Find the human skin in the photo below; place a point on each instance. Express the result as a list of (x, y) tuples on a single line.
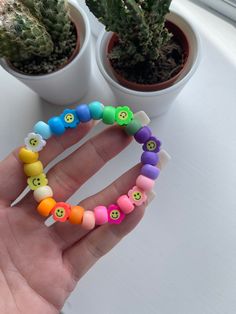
[(40, 266)]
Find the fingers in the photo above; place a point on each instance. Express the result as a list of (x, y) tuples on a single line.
[(13, 179), (72, 172), (85, 253), (70, 234)]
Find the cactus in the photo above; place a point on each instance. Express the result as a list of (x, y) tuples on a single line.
[(140, 26), (35, 33)]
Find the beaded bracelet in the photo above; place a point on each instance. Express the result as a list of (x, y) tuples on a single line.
[(134, 125)]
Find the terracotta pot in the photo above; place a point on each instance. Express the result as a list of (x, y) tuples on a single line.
[(70, 83), (179, 37)]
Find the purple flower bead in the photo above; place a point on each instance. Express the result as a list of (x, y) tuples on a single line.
[(149, 158), (143, 135), (152, 145), (150, 171)]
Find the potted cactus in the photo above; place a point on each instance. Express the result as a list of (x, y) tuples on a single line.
[(46, 45), (147, 53)]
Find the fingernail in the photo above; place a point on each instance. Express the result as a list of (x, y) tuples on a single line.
[(150, 196), (142, 117), (164, 159), (49, 221)]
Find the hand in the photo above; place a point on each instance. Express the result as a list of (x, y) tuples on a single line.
[(40, 266)]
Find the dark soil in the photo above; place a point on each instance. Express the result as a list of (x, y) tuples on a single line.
[(170, 62), (46, 65)]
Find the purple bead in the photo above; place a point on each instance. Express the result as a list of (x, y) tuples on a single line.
[(149, 158), (150, 171), (143, 135), (152, 145)]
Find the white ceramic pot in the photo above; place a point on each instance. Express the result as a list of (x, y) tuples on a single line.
[(157, 102), (69, 84)]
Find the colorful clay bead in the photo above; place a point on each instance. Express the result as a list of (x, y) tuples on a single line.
[(143, 135), (45, 206), (109, 114), (88, 221), (137, 196), (33, 169), (133, 127), (76, 215), (115, 215), (96, 110), (83, 113), (101, 216), (27, 156), (61, 212), (37, 181), (123, 115), (152, 145), (56, 125), (144, 183), (125, 204), (150, 158), (150, 171), (42, 193), (43, 129), (34, 142), (69, 118)]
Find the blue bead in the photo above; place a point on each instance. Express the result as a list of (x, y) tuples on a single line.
[(69, 118), (56, 125), (83, 113), (43, 129), (96, 110)]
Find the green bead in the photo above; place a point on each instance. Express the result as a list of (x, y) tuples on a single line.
[(124, 115), (133, 127), (109, 114)]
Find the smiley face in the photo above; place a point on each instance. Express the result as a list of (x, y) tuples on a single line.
[(37, 181), (69, 118), (137, 196), (34, 142), (152, 145), (61, 212), (115, 214), (123, 115)]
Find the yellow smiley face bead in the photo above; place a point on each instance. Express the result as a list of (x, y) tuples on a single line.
[(36, 182), (27, 156)]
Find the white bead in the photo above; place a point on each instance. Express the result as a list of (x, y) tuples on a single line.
[(164, 159), (42, 193), (142, 117)]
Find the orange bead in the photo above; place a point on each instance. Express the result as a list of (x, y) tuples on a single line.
[(44, 208), (76, 215)]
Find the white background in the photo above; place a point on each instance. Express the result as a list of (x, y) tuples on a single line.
[(182, 257)]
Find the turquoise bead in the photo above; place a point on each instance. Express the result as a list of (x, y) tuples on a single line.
[(96, 110), (56, 125), (43, 129)]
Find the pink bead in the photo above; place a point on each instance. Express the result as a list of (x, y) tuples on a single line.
[(145, 183), (137, 196), (88, 221), (101, 215), (125, 204)]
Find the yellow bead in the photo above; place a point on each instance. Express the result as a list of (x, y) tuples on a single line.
[(27, 156), (33, 169)]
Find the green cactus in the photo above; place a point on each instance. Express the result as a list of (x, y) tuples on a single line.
[(36, 33), (139, 24)]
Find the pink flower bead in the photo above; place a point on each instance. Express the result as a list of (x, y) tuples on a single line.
[(145, 183), (137, 196), (101, 216), (125, 204), (115, 215), (88, 221)]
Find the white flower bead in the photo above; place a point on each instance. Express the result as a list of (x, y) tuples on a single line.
[(43, 192), (34, 142)]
